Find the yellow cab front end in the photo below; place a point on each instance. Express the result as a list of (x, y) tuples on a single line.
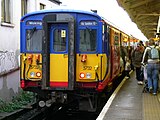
[(30, 70), (88, 70)]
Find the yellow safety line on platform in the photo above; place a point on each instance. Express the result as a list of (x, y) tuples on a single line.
[(107, 105)]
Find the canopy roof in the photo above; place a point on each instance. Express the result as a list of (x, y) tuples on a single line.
[(144, 13)]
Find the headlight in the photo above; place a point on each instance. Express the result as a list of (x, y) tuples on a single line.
[(88, 75), (32, 74)]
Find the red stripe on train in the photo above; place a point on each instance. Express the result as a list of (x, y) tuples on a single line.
[(58, 84)]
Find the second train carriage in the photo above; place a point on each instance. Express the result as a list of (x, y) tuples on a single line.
[(68, 55)]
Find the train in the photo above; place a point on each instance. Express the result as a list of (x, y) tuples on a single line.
[(70, 55)]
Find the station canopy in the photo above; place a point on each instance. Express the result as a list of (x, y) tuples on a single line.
[(144, 13)]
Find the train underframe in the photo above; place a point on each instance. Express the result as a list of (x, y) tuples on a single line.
[(80, 99)]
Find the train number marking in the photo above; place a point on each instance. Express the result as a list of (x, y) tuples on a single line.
[(34, 67), (87, 67)]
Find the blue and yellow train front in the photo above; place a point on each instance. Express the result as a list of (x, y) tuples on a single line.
[(65, 54)]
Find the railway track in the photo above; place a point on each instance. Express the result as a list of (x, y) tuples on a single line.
[(31, 113), (54, 112)]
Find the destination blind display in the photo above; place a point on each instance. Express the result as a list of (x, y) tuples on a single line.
[(88, 23), (34, 22)]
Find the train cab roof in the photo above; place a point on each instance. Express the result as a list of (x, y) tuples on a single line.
[(61, 10)]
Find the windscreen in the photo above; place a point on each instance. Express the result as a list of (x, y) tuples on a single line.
[(33, 40), (88, 40)]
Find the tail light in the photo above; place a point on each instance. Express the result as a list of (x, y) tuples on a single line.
[(38, 74), (22, 84), (82, 75)]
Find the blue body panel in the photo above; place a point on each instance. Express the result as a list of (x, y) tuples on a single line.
[(77, 14)]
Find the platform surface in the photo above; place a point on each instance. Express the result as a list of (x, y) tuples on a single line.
[(129, 102)]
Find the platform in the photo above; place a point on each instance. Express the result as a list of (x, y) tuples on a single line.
[(129, 102)]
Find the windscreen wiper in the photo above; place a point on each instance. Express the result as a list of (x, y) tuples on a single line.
[(31, 33)]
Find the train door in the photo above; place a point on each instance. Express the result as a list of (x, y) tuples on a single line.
[(59, 55), (58, 58)]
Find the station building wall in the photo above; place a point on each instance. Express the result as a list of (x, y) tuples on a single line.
[(10, 44)]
